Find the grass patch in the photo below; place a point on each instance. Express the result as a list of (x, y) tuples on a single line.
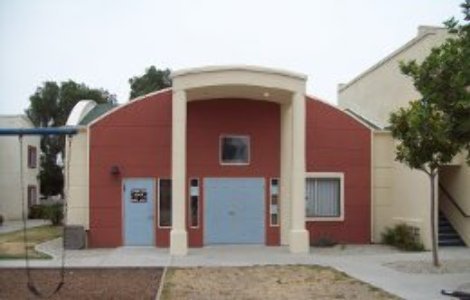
[(12, 243)]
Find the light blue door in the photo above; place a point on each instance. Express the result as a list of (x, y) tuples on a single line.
[(139, 212), (234, 211)]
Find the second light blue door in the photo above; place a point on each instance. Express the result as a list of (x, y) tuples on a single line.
[(139, 212), (234, 211)]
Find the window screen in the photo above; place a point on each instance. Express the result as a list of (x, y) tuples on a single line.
[(164, 207), (323, 197), (235, 150)]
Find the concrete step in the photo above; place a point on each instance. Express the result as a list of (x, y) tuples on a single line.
[(447, 235), (451, 242)]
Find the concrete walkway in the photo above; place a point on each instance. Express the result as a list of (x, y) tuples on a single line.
[(365, 263), (10, 226)]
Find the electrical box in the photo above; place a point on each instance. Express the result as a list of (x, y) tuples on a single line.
[(75, 237)]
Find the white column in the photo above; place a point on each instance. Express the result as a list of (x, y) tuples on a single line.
[(286, 161), (298, 239), (178, 234)]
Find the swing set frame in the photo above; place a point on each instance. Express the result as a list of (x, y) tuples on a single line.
[(20, 132)]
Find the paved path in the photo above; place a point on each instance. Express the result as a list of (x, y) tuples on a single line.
[(9, 226), (362, 262)]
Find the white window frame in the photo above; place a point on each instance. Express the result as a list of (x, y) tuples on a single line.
[(221, 137), (332, 175), (198, 205), (158, 204), (278, 202)]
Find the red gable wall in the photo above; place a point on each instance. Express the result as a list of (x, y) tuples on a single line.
[(137, 138), (336, 142)]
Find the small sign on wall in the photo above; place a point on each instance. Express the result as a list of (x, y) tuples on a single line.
[(139, 195)]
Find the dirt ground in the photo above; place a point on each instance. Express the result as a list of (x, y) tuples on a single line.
[(111, 283), (266, 282)]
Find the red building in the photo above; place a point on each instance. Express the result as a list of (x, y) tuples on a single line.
[(229, 155)]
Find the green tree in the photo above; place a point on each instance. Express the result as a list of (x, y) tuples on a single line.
[(432, 130), (153, 80), (50, 106), (443, 78), (425, 144)]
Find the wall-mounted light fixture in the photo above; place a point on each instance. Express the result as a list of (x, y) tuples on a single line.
[(115, 171)]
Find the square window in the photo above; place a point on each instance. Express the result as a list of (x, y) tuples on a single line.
[(324, 196), (235, 150)]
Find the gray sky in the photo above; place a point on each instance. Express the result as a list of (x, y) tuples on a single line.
[(104, 43)]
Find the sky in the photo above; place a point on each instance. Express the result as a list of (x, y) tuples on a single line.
[(103, 43)]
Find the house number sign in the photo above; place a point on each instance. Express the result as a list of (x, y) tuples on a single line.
[(138, 195)]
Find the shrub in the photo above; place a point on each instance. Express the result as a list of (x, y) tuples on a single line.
[(323, 241), (403, 237), (37, 211), (55, 213)]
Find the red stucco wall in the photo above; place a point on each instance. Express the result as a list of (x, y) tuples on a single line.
[(208, 120), (338, 143), (137, 138)]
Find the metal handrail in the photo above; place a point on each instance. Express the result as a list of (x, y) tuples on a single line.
[(452, 200)]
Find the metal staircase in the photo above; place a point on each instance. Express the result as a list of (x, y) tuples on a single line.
[(447, 234)]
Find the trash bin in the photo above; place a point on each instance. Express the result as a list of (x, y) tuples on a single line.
[(75, 237)]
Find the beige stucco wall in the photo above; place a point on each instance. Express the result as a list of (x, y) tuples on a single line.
[(456, 180), (382, 88), (10, 189), (78, 200), (400, 195)]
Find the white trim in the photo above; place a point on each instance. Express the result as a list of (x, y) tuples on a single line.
[(392, 55), (224, 135), (248, 68), (79, 111), (158, 204), (129, 102), (198, 205), (334, 175), (344, 111), (278, 201)]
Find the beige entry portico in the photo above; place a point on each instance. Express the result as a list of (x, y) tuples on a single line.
[(285, 88)]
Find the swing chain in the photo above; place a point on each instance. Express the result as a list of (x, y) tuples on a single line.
[(30, 282)]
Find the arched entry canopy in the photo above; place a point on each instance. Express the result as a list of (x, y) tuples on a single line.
[(255, 83), (247, 82)]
